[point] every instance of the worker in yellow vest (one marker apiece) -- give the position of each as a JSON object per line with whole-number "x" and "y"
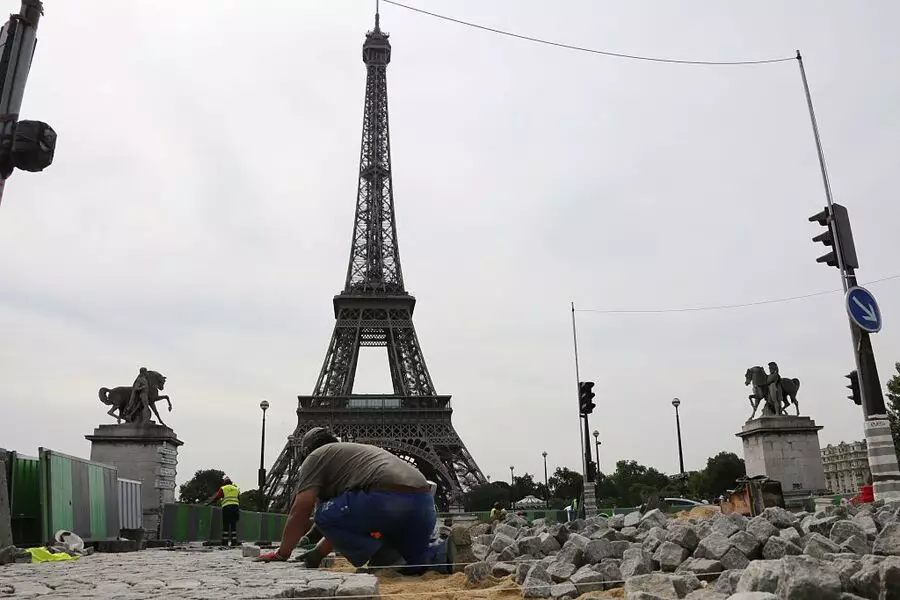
{"x": 229, "y": 494}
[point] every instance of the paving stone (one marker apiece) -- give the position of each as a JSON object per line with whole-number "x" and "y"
{"x": 888, "y": 541}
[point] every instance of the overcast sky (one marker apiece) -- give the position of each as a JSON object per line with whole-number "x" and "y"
{"x": 197, "y": 217}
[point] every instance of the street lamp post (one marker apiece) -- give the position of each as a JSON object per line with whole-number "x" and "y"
{"x": 546, "y": 487}
{"x": 261, "y": 481}
{"x": 676, "y": 403}
{"x": 597, "y": 448}
{"x": 511, "y": 477}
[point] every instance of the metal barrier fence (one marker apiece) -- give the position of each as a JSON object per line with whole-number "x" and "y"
{"x": 196, "y": 523}
{"x": 24, "y": 480}
{"x": 131, "y": 512}
{"x": 56, "y": 491}
{"x": 79, "y": 496}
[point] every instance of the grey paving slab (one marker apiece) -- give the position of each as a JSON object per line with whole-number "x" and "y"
{"x": 177, "y": 575}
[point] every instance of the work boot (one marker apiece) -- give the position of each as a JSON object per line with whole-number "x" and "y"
{"x": 384, "y": 557}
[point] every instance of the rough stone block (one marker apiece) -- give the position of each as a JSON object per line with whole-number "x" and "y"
{"x": 714, "y": 546}
{"x": 761, "y": 576}
{"x": 818, "y": 546}
{"x": 728, "y": 580}
{"x": 721, "y": 524}
{"x": 761, "y": 528}
{"x": 477, "y": 572}
{"x": 778, "y": 547}
{"x": 734, "y": 559}
{"x": 632, "y": 519}
{"x": 660, "y": 585}
{"x": 807, "y": 578}
{"x": 653, "y": 518}
{"x": 747, "y": 543}
{"x": 501, "y": 569}
{"x": 683, "y": 534}
{"x": 587, "y": 579}
{"x": 537, "y": 583}
{"x": 597, "y": 550}
{"x": 548, "y": 544}
{"x": 635, "y": 562}
{"x": 566, "y": 588}
{"x": 888, "y": 541}
{"x": 779, "y": 517}
{"x": 361, "y": 587}
{"x": 249, "y": 551}
{"x": 702, "y": 568}
{"x": 670, "y": 555}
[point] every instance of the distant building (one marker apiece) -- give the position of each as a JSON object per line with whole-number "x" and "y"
{"x": 846, "y": 466}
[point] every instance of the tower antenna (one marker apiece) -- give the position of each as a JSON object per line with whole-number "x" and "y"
{"x": 377, "y": 16}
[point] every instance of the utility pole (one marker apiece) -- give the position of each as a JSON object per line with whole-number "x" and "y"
{"x": 865, "y": 318}
{"x": 25, "y": 145}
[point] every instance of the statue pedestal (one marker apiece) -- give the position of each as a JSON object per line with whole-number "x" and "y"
{"x": 145, "y": 452}
{"x": 785, "y": 448}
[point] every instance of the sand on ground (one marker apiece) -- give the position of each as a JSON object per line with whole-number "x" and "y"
{"x": 434, "y": 586}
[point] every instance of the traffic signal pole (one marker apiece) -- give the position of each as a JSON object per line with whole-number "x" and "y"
{"x": 590, "y": 499}
{"x": 882, "y": 453}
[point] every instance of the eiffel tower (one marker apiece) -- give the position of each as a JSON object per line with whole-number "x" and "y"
{"x": 374, "y": 309}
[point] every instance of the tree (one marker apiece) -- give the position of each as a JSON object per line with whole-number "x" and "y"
{"x": 565, "y": 484}
{"x": 250, "y": 500}
{"x": 484, "y": 497}
{"x": 523, "y": 485}
{"x": 721, "y": 473}
{"x": 204, "y": 483}
{"x": 893, "y": 406}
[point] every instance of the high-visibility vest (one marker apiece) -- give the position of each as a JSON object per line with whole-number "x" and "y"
{"x": 575, "y": 504}
{"x": 230, "y": 494}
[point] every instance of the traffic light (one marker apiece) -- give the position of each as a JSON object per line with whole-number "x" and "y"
{"x": 585, "y": 397}
{"x": 853, "y": 376}
{"x": 837, "y": 221}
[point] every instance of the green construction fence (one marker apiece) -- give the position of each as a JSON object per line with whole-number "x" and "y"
{"x": 197, "y": 523}
{"x": 56, "y": 491}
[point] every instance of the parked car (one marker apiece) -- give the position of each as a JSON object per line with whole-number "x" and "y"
{"x": 681, "y": 503}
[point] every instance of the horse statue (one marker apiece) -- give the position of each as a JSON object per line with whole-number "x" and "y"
{"x": 760, "y": 380}
{"x": 134, "y": 403}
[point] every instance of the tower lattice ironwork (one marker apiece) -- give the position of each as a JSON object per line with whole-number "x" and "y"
{"x": 374, "y": 309}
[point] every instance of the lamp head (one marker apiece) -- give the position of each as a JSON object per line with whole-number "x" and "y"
{"x": 264, "y": 405}
{"x": 676, "y": 402}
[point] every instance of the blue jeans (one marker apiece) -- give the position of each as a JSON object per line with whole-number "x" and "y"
{"x": 404, "y": 520}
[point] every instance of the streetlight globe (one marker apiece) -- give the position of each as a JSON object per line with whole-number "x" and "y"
{"x": 596, "y": 434}
{"x": 264, "y": 405}
{"x": 544, "y": 454}
{"x": 676, "y": 402}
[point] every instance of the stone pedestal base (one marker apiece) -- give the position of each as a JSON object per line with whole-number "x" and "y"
{"x": 785, "y": 448}
{"x": 144, "y": 452}
{"x": 590, "y": 501}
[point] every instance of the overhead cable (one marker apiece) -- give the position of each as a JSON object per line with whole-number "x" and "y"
{"x": 724, "y": 306}
{"x": 592, "y": 50}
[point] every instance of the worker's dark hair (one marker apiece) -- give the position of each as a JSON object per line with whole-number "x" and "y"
{"x": 496, "y": 505}
{"x": 316, "y": 438}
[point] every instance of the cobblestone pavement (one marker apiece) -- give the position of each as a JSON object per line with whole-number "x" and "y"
{"x": 178, "y": 575}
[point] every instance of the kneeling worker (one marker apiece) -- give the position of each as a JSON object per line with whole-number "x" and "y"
{"x": 373, "y": 507}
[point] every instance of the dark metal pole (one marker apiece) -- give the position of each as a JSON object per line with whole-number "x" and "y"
{"x": 261, "y": 506}
{"x": 881, "y": 460}
{"x": 676, "y": 403}
{"x": 578, "y": 386}
{"x": 546, "y": 485}
{"x": 23, "y": 44}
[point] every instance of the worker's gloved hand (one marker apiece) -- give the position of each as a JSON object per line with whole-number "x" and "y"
{"x": 271, "y": 557}
{"x": 311, "y": 559}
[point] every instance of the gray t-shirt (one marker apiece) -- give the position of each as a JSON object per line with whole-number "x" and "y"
{"x": 338, "y": 467}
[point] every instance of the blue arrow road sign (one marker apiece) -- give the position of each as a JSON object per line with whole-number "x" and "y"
{"x": 863, "y": 309}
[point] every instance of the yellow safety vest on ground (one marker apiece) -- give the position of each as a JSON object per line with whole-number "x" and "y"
{"x": 230, "y": 495}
